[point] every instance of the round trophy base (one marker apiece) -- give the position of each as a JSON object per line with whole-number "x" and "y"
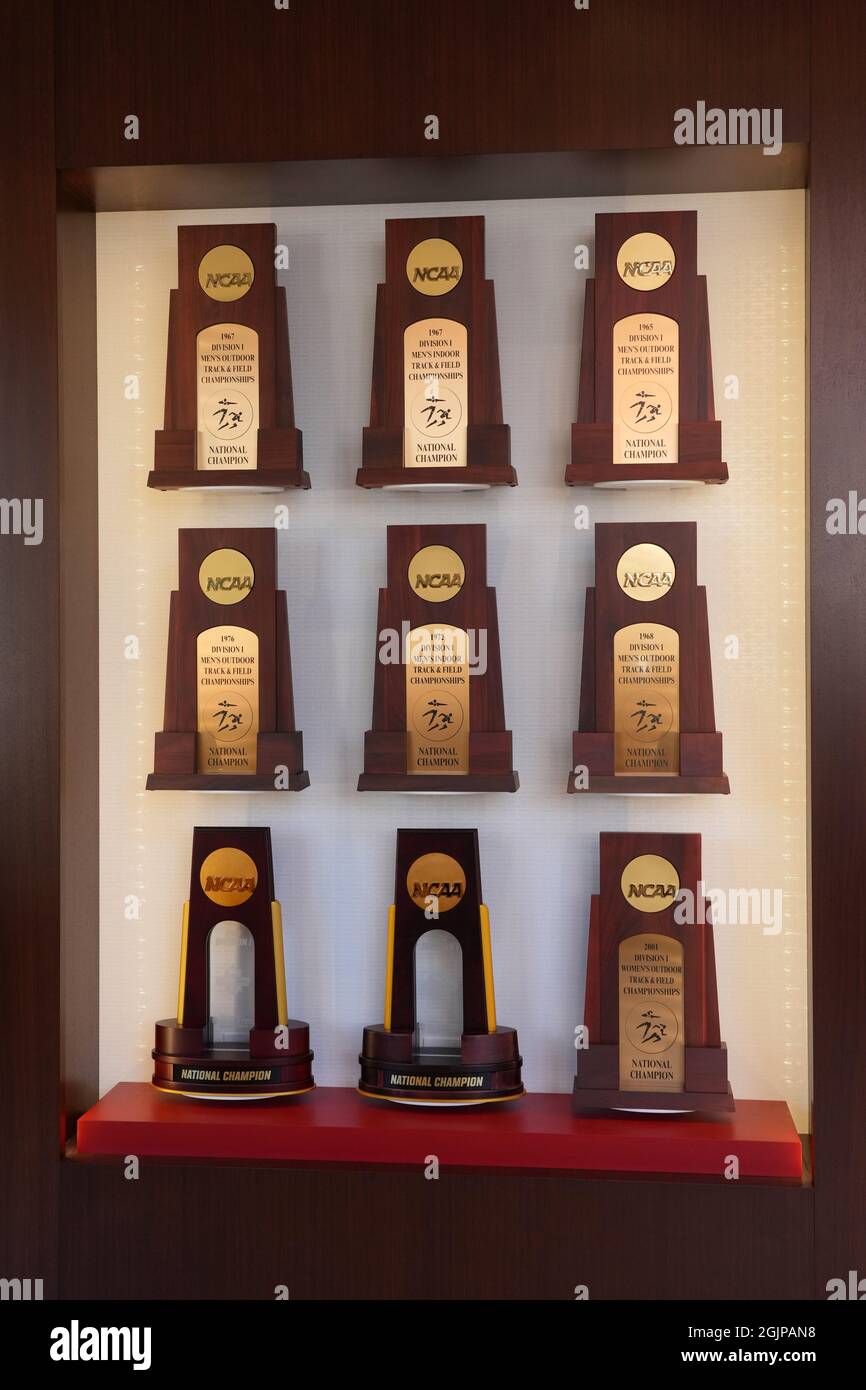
{"x": 230, "y": 1073}
{"x": 442, "y": 1101}
{"x": 227, "y": 1075}
{"x": 217, "y": 1094}
{"x": 441, "y": 1076}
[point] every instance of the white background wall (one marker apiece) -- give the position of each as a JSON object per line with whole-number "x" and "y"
{"x": 334, "y": 848}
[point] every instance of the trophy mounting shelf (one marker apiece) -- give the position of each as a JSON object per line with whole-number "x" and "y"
{"x": 473, "y": 478}
{"x": 193, "y": 480}
{"x": 677, "y": 476}
{"x": 434, "y": 487}
{"x": 336, "y": 1125}
{"x": 651, "y": 786}
{"x": 438, "y": 786}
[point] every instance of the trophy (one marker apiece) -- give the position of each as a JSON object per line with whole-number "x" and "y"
{"x": 232, "y": 880}
{"x": 435, "y": 404}
{"x": 438, "y": 713}
{"x": 229, "y": 714}
{"x": 646, "y": 695}
{"x": 438, "y": 886}
{"x": 651, "y": 1010}
{"x": 229, "y": 414}
{"x": 645, "y": 399}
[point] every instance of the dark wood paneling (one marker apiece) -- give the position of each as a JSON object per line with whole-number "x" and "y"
{"x": 316, "y": 182}
{"x": 838, "y": 566}
{"x": 78, "y": 606}
{"x": 219, "y": 80}
{"x": 29, "y": 938}
{"x": 233, "y": 1233}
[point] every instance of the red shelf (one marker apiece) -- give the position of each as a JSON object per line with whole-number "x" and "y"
{"x": 535, "y": 1132}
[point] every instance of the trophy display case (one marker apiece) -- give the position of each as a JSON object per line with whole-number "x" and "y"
{"x": 621, "y": 1126}
{"x": 486, "y": 629}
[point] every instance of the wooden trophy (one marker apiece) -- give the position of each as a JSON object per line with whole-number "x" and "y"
{"x": 651, "y": 1010}
{"x": 646, "y": 695}
{"x": 229, "y": 414}
{"x": 645, "y": 407}
{"x": 436, "y": 403}
{"x": 438, "y": 713}
{"x": 232, "y": 880}
{"x": 229, "y": 712}
{"x": 438, "y": 886}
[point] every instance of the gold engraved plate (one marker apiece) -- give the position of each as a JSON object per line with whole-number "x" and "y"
{"x": 651, "y": 1014}
{"x": 435, "y": 394}
{"x": 227, "y": 660}
{"x": 436, "y": 876}
{"x": 646, "y": 701}
{"x": 646, "y": 389}
{"x": 227, "y": 397}
{"x": 437, "y": 701}
{"x": 650, "y": 883}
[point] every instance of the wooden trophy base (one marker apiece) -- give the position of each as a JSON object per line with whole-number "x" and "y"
{"x": 214, "y": 782}
{"x": 183, "y": 1064}
{"x": 699, "y": 459}
{"x": 652, "y": 786}
{"x": 280, "y": 459}
{"x": 706, "y": 1088}
{"x": 653, "y": 1102}
{"x": 488, "y": 453}
{"x": 700, "y": 768}
{"x": 699, "y": 441}
{"x": 485, "y": 1068}
{"x": 280, "y": 753}
{"x": 490, "y": 767}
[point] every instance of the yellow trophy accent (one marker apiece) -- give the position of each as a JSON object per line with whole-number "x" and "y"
{"x": 389, "y": 966}
{"x": 279, "y": 964}
{"x": 184, "y": 935}
{"x": 487, "y": 958}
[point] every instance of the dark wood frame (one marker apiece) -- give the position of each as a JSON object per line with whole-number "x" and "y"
{"x": 528, "y": 78}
